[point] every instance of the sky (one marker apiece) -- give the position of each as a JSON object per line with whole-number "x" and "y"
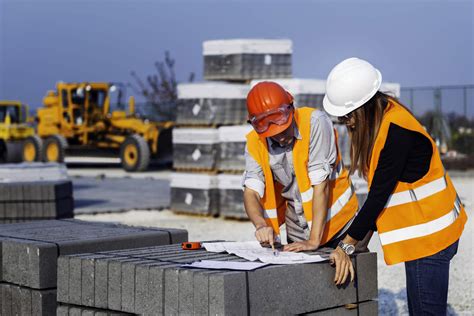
{"x": 414, "y": 43}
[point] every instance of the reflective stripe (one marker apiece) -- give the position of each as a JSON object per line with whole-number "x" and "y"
{"x": 340, "y": 203}
{"x": 307, "y": 195}
{"x": 283, "y": 234}
{"x": 270, "y": 213}
{"x": 420, "y": 230}
{"x": 417, "y": 194}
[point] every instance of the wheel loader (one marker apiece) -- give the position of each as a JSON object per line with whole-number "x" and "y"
{"x": 90, "y": 119}
{"x": 17, "y": 137}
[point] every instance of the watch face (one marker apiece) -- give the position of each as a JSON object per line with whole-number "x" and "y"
{"x": 350, "y": 249}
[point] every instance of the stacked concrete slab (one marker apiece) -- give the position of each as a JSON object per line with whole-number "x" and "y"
{"x": 231, "y": 198}
{"x": 153, "y": 281}
{"x": 247, "y": 59}
{"x": 195, "y": 148}
{"x": 231, "y": 151}
{"x": 194, "y": 193}
{"x": 306, "y": 92}
{"x": 30, "y": 251}
{"x": 34, "y": 191}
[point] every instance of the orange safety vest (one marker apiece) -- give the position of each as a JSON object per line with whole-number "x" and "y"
{"x": 420, "y": 218}
{"x": 342, "y": 199}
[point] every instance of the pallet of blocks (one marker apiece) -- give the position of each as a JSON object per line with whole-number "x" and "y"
{"x": 29, "y": 258}
{"x": 231, "y": 153}
{"x": 194, "y": 193}
{"x": 231, "y": 197}
{"x": 247, "y": 59}
{"x": 156, "y": 281}
{"x": 306, "y": 92}
{"x": 211, "y": 104}
{"x": 195, "y": 148}
{"x": 34, "y": 192}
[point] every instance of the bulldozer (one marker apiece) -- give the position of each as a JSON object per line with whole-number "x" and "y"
{"x": 17, "y": 136}
{"x": 91, "y": 119}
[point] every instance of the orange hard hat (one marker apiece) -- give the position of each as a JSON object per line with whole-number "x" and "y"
{"x": 270, "y": 108}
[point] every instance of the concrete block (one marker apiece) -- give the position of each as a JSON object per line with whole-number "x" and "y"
{"x": 75, "y": 280}
{"x": 101, "y": 283}
{"x": 16, "y": 300}
{"x": 63, "y": 279}
{"x": 2, "y": 209}
{"x": 228, "y": 294}
{"x": 157, "y": 289}
{"x": 284, "y": 289}
{"x": 43, "y": 302}
{"x": 128, "y": 285}
{"x": 88, "y": 281}
{"x": 6, "y": 299}
{"x": 25, "y": 301}
{"x": 369, "y": 308}
{"x": 366, "y": 276}
{"x": 62, "y": 310}
{"x": 177, "y": 235}
{"x": 115, "y": 283}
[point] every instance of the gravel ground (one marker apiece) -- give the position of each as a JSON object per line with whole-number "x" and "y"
{"x": 392, "y": 295}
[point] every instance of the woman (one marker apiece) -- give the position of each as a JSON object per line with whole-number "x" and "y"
{"x": 412, "y": 201}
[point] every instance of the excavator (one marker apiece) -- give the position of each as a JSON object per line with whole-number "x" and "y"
{"x": 91, "y": 119}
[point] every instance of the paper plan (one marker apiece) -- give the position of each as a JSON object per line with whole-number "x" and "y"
{"x": 226, "y": 265}
{"x": 253, "y": 251}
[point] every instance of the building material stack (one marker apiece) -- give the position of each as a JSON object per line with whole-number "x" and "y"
{"x": 211, "y": 122}
{"x": 35, "y": 191}
{"x": 29, "y": 258}
{"x": 153, "y": 281}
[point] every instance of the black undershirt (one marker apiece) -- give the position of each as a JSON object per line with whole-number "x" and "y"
{"x": 405, "y": 157}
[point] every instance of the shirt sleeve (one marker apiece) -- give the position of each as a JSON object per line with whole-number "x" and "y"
{"x": 322, "y": 148}
{"x": 253, "y": 178}
{"x": 391, "y": 164}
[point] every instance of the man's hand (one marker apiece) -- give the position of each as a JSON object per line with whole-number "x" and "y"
{"x": 343, "y": 266}
{"x": 306, "y": 245}
{"x": 264, "y": 234}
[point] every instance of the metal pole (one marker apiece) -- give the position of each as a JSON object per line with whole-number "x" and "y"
{"x": 437, "y": 99}
{"x": 465, "y": 101}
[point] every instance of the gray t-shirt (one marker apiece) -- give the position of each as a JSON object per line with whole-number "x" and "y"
{"x": 321, "y": 160}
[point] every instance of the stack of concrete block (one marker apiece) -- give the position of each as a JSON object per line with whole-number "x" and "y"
{"x": 194, "y": 193}
{"x": 195, "y": 148}
{"x": 247, "y": 59}
{"x": 231, "y": 151}
{"x": 211, "y": 103}
{"x": 306, "y": 92}
{"x": 154, "y": 281}
{"x": 38, "y": 200}
{"x": 29, "y": 255}
{"x": 231, "y": 198}
{"x": 34, "y": 171}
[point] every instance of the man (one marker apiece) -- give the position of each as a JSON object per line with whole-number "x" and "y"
{"x": 296, "y": 187}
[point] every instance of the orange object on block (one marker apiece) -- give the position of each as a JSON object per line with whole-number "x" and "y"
{"x": 191, "y": 245}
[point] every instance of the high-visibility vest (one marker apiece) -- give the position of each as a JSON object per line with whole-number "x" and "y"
{"x": 342, "y": 204}
{"x": 420, "y": 218}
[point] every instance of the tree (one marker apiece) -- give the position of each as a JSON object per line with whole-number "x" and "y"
{"x": 159, "y": 90}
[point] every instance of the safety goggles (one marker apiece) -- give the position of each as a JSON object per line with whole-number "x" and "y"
{"x": 278, "y": 116}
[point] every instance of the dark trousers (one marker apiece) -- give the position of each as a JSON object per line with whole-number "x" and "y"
{"x": 427, "y": 282}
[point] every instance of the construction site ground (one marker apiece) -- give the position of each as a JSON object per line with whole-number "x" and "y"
{"x": 110, "y": 194}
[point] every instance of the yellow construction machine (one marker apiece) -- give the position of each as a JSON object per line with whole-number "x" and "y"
{"x": 90, "y": 119}
{"x": 17, "y": 136}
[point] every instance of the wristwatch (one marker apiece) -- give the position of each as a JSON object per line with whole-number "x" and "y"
{"x": 347, "y": 248}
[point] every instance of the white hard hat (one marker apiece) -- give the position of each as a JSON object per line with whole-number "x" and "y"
{"x": 350, "y": 84}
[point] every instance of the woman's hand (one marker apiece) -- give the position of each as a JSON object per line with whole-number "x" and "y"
{"x": 306, "y": 245}
{"x": 264, "y": 234}
{"x": 343, "y": 266}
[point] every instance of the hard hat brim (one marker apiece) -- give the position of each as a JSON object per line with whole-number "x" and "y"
{"x": 337, "y": 111}
{"x": 275, "y": 129}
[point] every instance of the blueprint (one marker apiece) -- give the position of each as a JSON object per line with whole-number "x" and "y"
{"x": 253, "y": 251}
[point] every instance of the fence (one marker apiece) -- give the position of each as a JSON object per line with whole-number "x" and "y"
{"x": 458, "y": 99}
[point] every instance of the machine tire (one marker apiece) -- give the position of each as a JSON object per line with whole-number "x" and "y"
{"x": 32, "y": 149}
{"x": 54, "y": 149}
{"x": 135, "y": 153}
